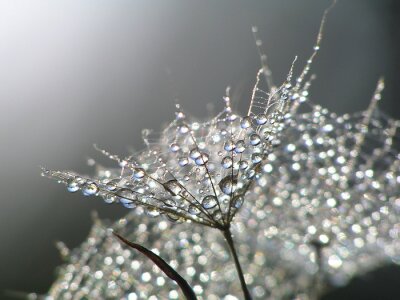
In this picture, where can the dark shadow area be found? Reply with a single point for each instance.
(380, 284)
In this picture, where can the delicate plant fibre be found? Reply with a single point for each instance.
(315, 194)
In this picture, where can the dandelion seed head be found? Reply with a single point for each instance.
(341, 198)
(192, 171)
(312, 192)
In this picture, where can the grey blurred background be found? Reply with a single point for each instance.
(74, 73)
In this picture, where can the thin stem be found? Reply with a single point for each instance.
(228, 236)
(318, 280)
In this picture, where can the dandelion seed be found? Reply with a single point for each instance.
(319, 189)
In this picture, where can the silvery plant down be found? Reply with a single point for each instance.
(282, 202)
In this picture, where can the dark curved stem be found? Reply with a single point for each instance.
(228, 236)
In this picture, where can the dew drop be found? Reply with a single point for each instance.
(72, 185)
(217, 215)
(250, 173)
(261, 119)
(138, 173)
(209, 202)
(169, 203)
(245, 122)
(183, 129)
(324, 239)
(109, 198)
(240, 146)
(193, 210)
(173, 187)
(237, 201)
(90, 189)
(174, 147)
(229, 145)
(327, 128)
(153, 212)
(126, 197)
(195, 126)
(174, 218)
(183, 161)
(194, 153)
(232, 117)
(228, 184)
(45, 172)
(202, 159)
(243, 164)
(268, 168)
(112, 185)
(256, 158)
(216, 138)
(227, 162)
(255, 139)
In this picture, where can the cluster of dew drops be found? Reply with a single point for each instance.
(201, 172)
(195, 171)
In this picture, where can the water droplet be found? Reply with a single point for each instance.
(193, 210)
(194, 153)
(174, 147)
(174, 218)
(237, 201)
(217, 215)
(250, 173)
(209, 202)
(268, 168)
(152, 212)
(45, 172)
(229, 145)
(195, 126)
(169, 203)
(72, 185)
(202, 159)
(324, 239)
(290, 148)
(255, 139)
(183, 129)
(216, 138)
(228, 184)
(245, 122)
(227, 162)
(334, 261)
(138, 173)
(243, 164)
(183, 161)
(126, 197)
(90, 189)
(112, 185)
(173, 187)
(240, 146)
(109, 198)
(327, 128)
(256, 158)
(232, 117)
(261, 119)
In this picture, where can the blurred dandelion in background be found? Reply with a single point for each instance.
(305, 198)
